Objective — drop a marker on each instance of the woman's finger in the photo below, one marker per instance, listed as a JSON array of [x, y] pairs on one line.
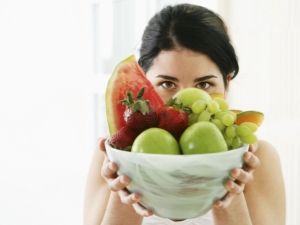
[[253, 147], [114, 181], [133, 199], [109, 170], [118, 183], [241, 176], [233, 187], [251, 162], [139, 209], [102, 145], [225, 202], [129, 198]]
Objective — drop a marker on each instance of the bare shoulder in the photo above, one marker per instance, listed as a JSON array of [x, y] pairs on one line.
[[267, 154], [269, 160], [264, 143], [270, 165]]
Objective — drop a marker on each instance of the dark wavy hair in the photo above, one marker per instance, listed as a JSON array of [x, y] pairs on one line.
[[193, 27]]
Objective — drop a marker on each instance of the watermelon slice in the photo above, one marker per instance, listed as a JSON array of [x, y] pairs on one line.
[[128, 75]]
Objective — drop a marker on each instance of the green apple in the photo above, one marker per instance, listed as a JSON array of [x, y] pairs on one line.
[[188, 96], [202, 137], [156, 141]]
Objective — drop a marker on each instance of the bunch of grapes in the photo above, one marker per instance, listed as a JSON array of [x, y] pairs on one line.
[[216, 111]]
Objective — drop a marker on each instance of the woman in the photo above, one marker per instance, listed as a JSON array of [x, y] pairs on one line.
[[188, 46]]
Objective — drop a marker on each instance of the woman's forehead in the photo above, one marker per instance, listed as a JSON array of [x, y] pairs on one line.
[[183, 62]]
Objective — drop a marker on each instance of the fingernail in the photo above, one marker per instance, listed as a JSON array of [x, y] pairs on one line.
[[111, 166], [254, 146], [247, 156], [231, 185], [135, 197], [237, 173], [219, 204], [146, 214], [124, 181]]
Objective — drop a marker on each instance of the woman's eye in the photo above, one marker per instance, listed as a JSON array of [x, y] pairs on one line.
[[204, 85], [168, 85]]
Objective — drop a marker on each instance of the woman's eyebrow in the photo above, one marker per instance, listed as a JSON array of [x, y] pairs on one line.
[[204, 78], [168, 77]]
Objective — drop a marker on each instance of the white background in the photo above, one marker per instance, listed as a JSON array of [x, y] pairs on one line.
[[55, 59]]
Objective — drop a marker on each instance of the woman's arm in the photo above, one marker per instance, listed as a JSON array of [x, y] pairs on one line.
[[263, 200], [235, 214], [265, 196], [96, 192], [101, 205], [118, 213]]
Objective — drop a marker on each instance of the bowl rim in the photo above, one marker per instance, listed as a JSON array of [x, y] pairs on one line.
[[243, 148]]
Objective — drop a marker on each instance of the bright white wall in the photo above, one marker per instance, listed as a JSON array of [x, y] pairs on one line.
[[53, 71], [267, 39], [45, 65]]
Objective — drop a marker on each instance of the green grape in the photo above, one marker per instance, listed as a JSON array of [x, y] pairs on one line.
[[232, 113], [218, 123], [222, 103], [242, 130], [252, 126], [219, 115], [230, 131], [228, 119], [193, 118], [249, 139], [198, 106], [204, 116], [228, 141], [213, 106], [236, 142]]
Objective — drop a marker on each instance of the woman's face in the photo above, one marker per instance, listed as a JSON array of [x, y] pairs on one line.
[[177, 69]]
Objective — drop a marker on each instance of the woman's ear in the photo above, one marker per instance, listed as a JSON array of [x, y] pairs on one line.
[[228, 79]]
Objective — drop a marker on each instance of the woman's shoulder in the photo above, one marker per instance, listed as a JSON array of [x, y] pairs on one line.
[[264, 144], [265, 150], [269, 168]]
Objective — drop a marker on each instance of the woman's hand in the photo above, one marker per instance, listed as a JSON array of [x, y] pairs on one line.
[[242, 177], [118, 184]]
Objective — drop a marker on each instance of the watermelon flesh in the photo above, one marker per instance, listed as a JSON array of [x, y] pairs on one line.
[[128, 75]]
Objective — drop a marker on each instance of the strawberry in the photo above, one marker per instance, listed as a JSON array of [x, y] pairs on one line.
[[123, 139], [139, 115], [173, 117]]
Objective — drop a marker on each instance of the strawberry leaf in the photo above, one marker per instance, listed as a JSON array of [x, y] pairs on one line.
[[172, 102], [128, 149], [140, 94], [141, 106]]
